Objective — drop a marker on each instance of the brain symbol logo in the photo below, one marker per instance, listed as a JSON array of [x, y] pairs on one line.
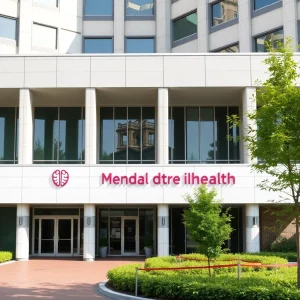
[[60, 177]]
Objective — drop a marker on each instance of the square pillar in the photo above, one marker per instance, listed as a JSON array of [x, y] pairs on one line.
[[89, 229], [163, 26], [202, 28], [162, 230], [25, 26], [119, 26], [91, 127], [252, 228], [162, 126], [249, 105], [245, 23], [22, 235], [25, 150], [290, 21]]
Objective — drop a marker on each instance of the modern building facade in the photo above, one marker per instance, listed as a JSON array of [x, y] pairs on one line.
[[106, 122]]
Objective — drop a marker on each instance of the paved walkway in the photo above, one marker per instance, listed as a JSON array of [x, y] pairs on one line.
[[55, 279]]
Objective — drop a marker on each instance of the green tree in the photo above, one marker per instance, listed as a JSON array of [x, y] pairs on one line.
[[207, 225], [273, 135]]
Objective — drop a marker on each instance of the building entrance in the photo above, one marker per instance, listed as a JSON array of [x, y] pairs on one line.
[[56, 235]]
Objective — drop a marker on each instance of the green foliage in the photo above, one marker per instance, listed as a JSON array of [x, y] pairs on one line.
[[266, 285], [289, 256], [207, 225], [284, 245], [5, 256]]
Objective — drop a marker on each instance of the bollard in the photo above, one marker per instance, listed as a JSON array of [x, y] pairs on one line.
[[136, 280], [239, 269]]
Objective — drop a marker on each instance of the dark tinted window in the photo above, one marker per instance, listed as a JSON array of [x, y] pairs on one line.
[[185, 26]]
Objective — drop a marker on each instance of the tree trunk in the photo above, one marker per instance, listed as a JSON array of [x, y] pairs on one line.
[[298, 247], [209, 271]]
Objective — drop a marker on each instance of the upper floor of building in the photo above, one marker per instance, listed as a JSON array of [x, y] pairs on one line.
[[144, 26]]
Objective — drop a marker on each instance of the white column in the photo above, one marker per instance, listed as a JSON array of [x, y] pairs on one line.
[[203, 35], [22, 237], [162, 230], [90, 126], [25, 151], [252, 228], [119, 26], [249, 105], [89, 232], [25, 26], [163, 26], [162, 126], [245, 23], [290, 21]]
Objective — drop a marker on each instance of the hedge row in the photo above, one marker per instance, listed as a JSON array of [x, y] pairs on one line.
[[5, 256], [290, 256], [257, 286]]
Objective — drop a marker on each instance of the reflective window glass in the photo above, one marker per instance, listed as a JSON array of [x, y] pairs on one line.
[[98, 7], [107, 134], [231, 49], [234, 152], [94, 45], [8, 28], [120, 122], [272, 37], [134, 134], [148, 130], [59, 135], [8, 135], [139, 7], [220, 135], [262, 3], [140, 45], [207, 146], [224, 11], [192, 134], [185, 26]]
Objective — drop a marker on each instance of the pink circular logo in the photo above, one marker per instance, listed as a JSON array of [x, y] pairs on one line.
[[60, 177]]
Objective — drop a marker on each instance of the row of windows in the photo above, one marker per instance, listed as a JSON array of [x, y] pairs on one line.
[[127, 135]]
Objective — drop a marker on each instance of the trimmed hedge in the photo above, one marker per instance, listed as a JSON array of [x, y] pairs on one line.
[[290, 256], [5, 256], [266, 285]]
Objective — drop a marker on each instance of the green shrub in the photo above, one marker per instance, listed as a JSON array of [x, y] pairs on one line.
[[289, 256], [266, 285], [284, 245], [5, 256]]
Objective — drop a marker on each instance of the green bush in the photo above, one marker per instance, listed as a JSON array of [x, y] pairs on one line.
[[284, 245], [289, 256], [266, 285], [5, 256]]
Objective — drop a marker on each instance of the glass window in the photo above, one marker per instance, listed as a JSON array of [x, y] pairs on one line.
[[139, 7], [185, 26], [94, 45], [8, 135], [262, 3], [48, 2], [59, 135], [98, 8], [127, 135], [224, 11], [8, 28], [273, 37], [44, 36], [200, 135], [230, 49], [140, 45]]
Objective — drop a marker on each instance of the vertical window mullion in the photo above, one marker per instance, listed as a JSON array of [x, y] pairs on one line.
[[15, 136], [228, 148], [127, 135], [113, 133], [214, 137], [141, 134], [57, 150], [199, 128], [185, 135]]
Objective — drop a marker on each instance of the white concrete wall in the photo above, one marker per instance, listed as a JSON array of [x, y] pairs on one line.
[[223, 37], [145, 28], [26, 184]]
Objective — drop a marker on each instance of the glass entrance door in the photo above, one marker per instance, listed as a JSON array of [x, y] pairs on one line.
[[64, 236], [130, 236], [47, 236]]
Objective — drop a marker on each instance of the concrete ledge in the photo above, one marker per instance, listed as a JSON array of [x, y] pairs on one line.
[[7, 263], [104, 291]]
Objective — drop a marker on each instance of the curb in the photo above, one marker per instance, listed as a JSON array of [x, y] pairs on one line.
[[104, 291], [7, 263]]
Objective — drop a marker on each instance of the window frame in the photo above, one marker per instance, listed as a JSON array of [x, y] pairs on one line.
[[140, 18], [98, 17], [186, 39], [265, 9], [97, 38], [56, 42], [216, 50], [254, 44], [140, 38], [17, 28], [223, 25]]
